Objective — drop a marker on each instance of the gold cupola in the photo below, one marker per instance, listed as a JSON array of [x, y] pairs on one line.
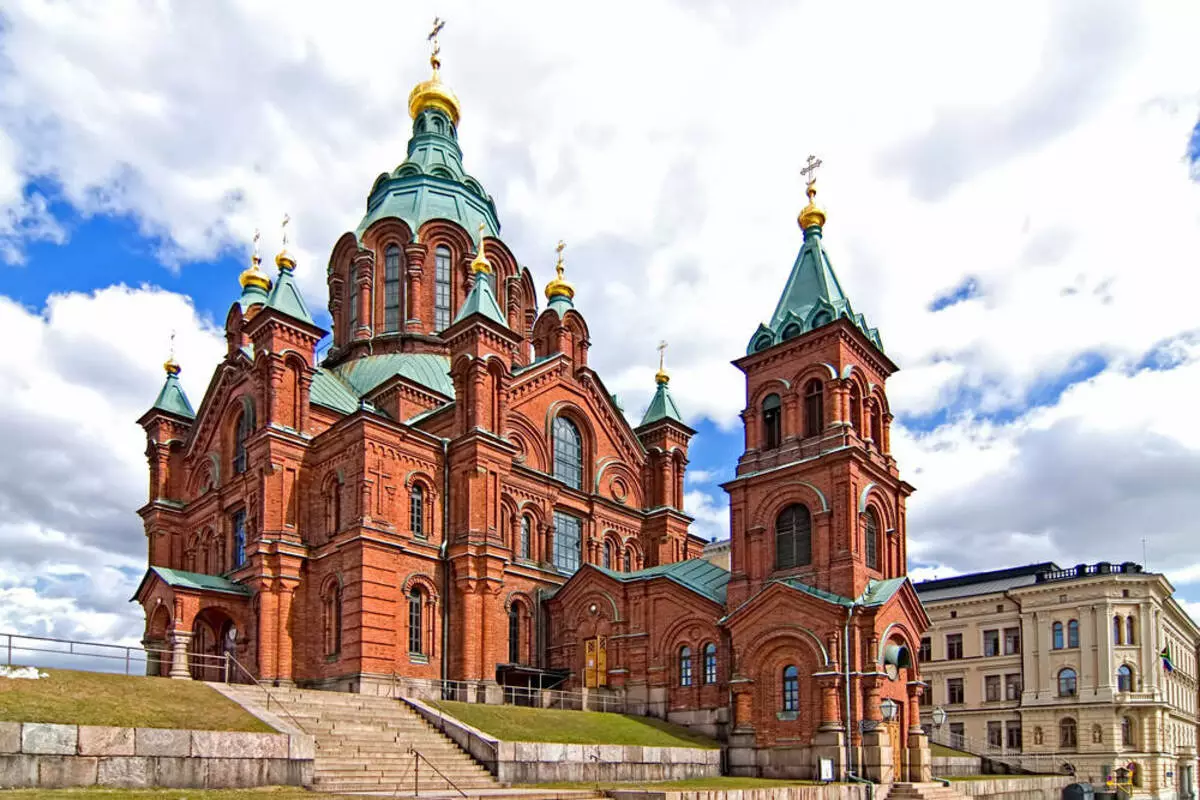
[[810, 215], [283, 259], [253, 276], [480, 264], [433, 93], [559, 286]]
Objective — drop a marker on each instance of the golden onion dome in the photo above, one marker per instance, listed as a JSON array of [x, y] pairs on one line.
[[254, 276], [172, 366], [559, 287], [434, 94], [284, 260], [661, 377], [811, 215], [480, 263]]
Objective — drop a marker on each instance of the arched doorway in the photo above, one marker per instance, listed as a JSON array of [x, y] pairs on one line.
[[157, 642], [214, 640]]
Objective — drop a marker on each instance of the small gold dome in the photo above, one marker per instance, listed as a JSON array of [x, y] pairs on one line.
[[661, 377], [172, 366], [559, 287], [434, 94], [811, 215], [284, 260], [253, 276], [480, 263]]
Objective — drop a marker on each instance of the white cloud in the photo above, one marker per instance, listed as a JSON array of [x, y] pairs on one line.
[[711, 515]]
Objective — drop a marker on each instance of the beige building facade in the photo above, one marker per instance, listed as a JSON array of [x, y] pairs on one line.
[[1050, 667]]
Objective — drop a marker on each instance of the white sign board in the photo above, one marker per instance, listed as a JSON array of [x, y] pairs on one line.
[[825, 766]]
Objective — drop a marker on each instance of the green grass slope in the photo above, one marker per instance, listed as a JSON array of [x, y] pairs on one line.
[[88, 698], [520, 724]]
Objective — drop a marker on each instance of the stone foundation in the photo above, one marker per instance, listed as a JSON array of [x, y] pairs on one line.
[[44, 756], [827, 792]]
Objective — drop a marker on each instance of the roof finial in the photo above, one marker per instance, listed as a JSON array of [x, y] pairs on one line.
[[811, 215], [433, 93], [284, 260], [171, 365], [253, 275], [559, 287], [480, 263], [661, 377], [434, 61]]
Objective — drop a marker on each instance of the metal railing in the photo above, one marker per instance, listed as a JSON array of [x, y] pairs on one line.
[[45, 651], [235, 663], [418, 757], [434, 689], [1041, 763]]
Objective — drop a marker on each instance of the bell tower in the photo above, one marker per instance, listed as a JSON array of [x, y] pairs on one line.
[[817, 499]]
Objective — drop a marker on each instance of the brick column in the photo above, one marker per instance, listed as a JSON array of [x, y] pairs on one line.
[[285, 591]]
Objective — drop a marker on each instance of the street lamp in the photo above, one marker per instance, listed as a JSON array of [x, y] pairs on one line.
[[939, 717], [888, 708]]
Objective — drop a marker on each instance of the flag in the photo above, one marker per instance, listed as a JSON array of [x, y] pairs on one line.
[[1168, 665]]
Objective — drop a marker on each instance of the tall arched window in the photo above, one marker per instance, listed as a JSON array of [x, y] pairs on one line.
[[1124, 678], [239, 539], [332, 618], [441, 289], [608, 559], [352, 301], [523, 550], [514, 635], [814, 408], [1117, 631], [391, 289], [1073, 633], [1129, 631], [416, 510], [1067, 733], [685, 666], [710, 663], [793, 537], [568, 543], [1057, 630], [1066, 682], [333, 507], [245, 427], [628, 565], [1127, 731], [416, 620], [871, 537], [791, 689], [877, 426], [856, 409], [772, 415], [568, 453]]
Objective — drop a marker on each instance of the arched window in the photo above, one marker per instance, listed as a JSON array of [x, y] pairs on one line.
[[523, 550], [1117, 631], [793, 537], [1058, 636], [791, 689], [871, 536], [416, 620], [441, 289], [352, 301], [814, 408], [877, 426], [333, 507], [822, 318], [628, 566], [514, 635], [791, 331], [568, 453], [1129, 631], [1067, 733], [332, 618], [239, 540], [762, 343], [856, 409], [710, 663], [568, 543], [1066, 682], [416, 510], [1127, 731], [608, 549], [245, 427], [1124, 678], [772, 414], [391, 289], [1073, 633], [685, 666]]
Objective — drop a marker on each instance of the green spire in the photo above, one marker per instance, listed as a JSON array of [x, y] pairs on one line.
[[172, 398], [481, 300], [285, 296], [662, 406], [252, 295]]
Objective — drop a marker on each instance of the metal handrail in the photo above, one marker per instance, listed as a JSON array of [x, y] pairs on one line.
[[130, 655], [266, 691], [418, 757], [1046, 763], [444, 689]]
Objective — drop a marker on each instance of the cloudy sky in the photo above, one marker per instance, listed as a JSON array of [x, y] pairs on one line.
[[1013, 194]]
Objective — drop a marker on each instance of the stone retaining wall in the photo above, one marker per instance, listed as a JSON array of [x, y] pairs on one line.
[[1006, 787], [829, 792], [548, 762], [36, 755], [951, 766]]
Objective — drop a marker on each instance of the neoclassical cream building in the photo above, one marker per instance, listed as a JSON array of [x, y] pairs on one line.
[[1065, 666]]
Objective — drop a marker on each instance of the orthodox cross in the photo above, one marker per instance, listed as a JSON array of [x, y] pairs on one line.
[[662, 349], [559, 248], [380, 476], [809, 170], [257, 236], [283, 225], [172, 345], [438, 24]]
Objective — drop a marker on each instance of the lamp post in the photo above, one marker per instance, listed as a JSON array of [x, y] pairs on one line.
[[888, 709], [939, 717]]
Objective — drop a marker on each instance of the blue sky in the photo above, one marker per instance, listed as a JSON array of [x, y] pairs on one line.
[[1023, 231]]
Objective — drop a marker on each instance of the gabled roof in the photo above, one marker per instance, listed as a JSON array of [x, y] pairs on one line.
[[329, 391], [696, 574], [481, 300], [363, 375], [876, 594], [172, 399], [195, 581]]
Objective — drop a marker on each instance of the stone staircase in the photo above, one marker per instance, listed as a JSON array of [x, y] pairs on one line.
[[364, 743], [923, 791]]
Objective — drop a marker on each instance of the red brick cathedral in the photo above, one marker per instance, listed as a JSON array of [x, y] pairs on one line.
[[452, 493]]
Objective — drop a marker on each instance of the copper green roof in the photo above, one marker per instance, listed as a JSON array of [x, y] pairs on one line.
[[286, 298], [328, 390], [252, 294], [662, 406], [195, 581], [481, 300], [431, 183], [876, 594], [700, 576], [812, 297], [173, 400], [362, 375]]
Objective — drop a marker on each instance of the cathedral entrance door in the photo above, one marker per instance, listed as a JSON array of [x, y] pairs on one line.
[[899, 761], [595, 664]]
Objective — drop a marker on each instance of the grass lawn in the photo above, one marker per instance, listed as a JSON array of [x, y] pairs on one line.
[[942, 750], [91, 698], [520, 724], [268, 793], [716, 784]]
